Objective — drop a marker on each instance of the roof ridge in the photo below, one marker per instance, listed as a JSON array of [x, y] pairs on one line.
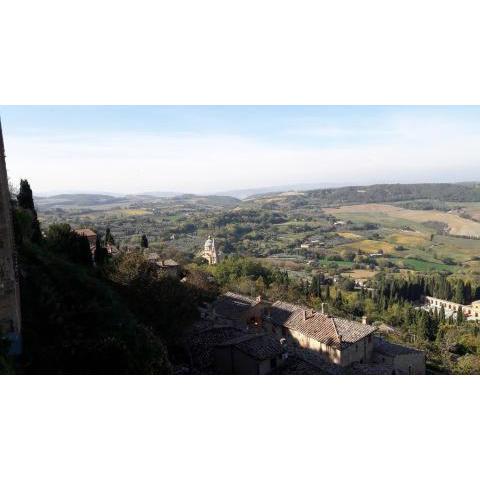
[[335, 328]]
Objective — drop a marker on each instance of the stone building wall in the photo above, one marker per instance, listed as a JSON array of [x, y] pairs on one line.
[[9, 290]]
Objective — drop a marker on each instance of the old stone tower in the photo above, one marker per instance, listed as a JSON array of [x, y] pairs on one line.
[[10, 319]]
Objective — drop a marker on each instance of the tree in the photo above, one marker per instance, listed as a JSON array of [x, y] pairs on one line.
[[459, 296], [144, 241], [162, 303], [441, 316], [62, 240], [101, 253], [109, 240], [25, 196], [25, 202]]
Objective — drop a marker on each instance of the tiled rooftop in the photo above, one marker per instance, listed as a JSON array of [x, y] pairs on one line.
[[85, 232], [337, 332], [391, 349], [259, 346], [233, 305]]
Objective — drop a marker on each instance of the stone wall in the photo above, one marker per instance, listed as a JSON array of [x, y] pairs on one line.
[[10, 323]]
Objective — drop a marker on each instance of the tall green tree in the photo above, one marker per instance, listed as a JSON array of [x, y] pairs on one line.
[[144, 241], [109, 240], [25, 201], [25, 196], [101, 254], [459, 296]]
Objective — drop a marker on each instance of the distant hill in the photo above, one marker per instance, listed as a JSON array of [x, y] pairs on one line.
[[77, 199], [97, 201], [211, 200], [446, 192], [252, 192]]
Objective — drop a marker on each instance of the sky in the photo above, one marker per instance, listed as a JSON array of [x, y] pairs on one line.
[[207, 149]]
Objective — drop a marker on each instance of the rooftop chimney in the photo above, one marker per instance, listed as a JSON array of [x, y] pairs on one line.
[[323, 309], [365, 320]]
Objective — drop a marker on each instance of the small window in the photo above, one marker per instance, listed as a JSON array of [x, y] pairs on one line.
[[369, 339], [273, 363], [356, 348]]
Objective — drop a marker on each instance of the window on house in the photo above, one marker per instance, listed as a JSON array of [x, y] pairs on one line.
[[284, 331], [356, 348], [369, 339], [273, 363]]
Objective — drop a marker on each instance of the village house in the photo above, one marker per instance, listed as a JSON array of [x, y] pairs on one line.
[[336, 345], [169, 267], [250, 354], [336, 340], [402, 360], [237, 310]]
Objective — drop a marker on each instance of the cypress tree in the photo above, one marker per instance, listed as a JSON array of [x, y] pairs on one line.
[[460, 316], [109, 240], [144, 241], [101, 253], [459, 296], [25, 201], [25, 196]]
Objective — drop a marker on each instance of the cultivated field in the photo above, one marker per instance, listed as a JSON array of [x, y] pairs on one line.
[[456, 225]]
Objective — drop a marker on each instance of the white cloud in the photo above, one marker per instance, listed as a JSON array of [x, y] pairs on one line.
[[415, 150]]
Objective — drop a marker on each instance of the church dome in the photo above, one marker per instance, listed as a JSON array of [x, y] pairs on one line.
[[209, 243]]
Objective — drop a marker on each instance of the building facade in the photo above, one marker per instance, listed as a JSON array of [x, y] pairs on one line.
[[10, 316], [210, 252], [399, 359], [335, 345], [470, 312], [335, 340]]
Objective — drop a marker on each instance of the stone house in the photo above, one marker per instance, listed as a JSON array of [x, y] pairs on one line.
[[237, 310], [335, 345], [337, 340], [169, 267], [250, 354], [400, 359]]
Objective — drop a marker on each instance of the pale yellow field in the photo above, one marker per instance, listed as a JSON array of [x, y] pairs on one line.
[[456, 224], [360, 274], [349, 235], [408, 239], [372, 246], [133, 212]]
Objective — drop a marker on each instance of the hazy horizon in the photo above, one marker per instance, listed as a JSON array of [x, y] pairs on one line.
[[200, 149]]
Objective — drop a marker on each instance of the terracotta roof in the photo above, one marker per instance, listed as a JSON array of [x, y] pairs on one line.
[[258, 346], [86, 232], [232, 305], [336, 332], [392, 349]]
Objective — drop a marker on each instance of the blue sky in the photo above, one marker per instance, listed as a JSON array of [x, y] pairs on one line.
[[129, 149]]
